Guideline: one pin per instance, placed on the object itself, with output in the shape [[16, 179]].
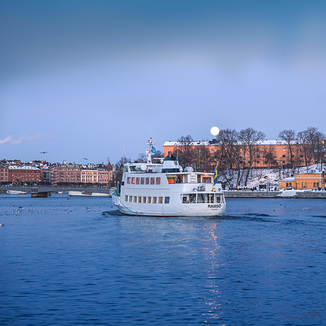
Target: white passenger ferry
[[165, 189]]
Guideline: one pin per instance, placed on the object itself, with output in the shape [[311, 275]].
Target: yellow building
[[315, 181]]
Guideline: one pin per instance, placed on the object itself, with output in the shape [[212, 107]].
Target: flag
[[215, 174], [153, 150]]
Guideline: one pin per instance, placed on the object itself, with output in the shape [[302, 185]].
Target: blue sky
[[96, 79]]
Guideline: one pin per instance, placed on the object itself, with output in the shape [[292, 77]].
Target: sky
[[96, 79]]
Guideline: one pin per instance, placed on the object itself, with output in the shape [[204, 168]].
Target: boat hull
[[181, 210]]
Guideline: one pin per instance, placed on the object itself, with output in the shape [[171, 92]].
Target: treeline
[[241, 151]]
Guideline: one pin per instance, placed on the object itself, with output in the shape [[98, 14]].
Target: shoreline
[[275, 194]]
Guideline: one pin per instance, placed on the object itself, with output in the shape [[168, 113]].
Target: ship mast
[[149, 151]]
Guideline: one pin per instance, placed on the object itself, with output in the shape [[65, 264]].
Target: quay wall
[[50, 189], [275, 194]]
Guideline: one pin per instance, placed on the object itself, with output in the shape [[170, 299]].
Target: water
[[77, 261]]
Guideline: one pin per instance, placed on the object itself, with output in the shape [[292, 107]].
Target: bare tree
[[227, 140], [316, 140], [184, 150], [270, 157], [228, 154], [249, 139], [289, 136], [202, 158], [305, 146], [118, 168], [312, 143]]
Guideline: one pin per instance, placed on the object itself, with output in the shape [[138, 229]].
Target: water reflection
[[213, 298]]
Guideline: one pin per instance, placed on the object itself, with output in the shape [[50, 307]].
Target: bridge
[[42, 190]]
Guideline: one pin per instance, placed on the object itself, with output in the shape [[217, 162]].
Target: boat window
[[192, 198], [147, 181], [202, 198], [152, 181], [211, 198], [185, 199], [154, 200], [170, 180], [135, 199], [207, 180], [142, 180], [128, 180], [133, 180], [149, 200], [166, 200], [137, 181], [160, 200], [139, 199], [144, 200], [130, 199], [126, 197], [218, 199], [158, 181]]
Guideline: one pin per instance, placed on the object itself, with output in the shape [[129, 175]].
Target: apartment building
[[89, 176], [66, 173], [23, 174], [4, 174], [104, 176]]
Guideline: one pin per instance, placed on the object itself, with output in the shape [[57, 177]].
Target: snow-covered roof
[[288, 179], [193, 143], [22, 167], [207, 143]]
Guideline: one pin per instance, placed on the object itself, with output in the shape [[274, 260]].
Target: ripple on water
[[80, 262]]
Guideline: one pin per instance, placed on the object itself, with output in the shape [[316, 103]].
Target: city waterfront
[[77, 261]]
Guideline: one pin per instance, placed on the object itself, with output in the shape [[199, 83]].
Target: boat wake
[[112, 213]]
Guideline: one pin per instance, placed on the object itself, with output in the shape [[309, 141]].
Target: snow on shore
[[268, 177]]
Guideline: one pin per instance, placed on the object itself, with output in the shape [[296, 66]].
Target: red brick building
[[23, 174], [266, 154]]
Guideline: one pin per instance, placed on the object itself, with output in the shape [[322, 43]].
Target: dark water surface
[[78, 261]]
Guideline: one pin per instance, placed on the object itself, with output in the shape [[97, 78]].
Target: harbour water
[[77, 261]]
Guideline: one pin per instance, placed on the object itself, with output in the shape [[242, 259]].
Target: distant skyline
[[96, 79]]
